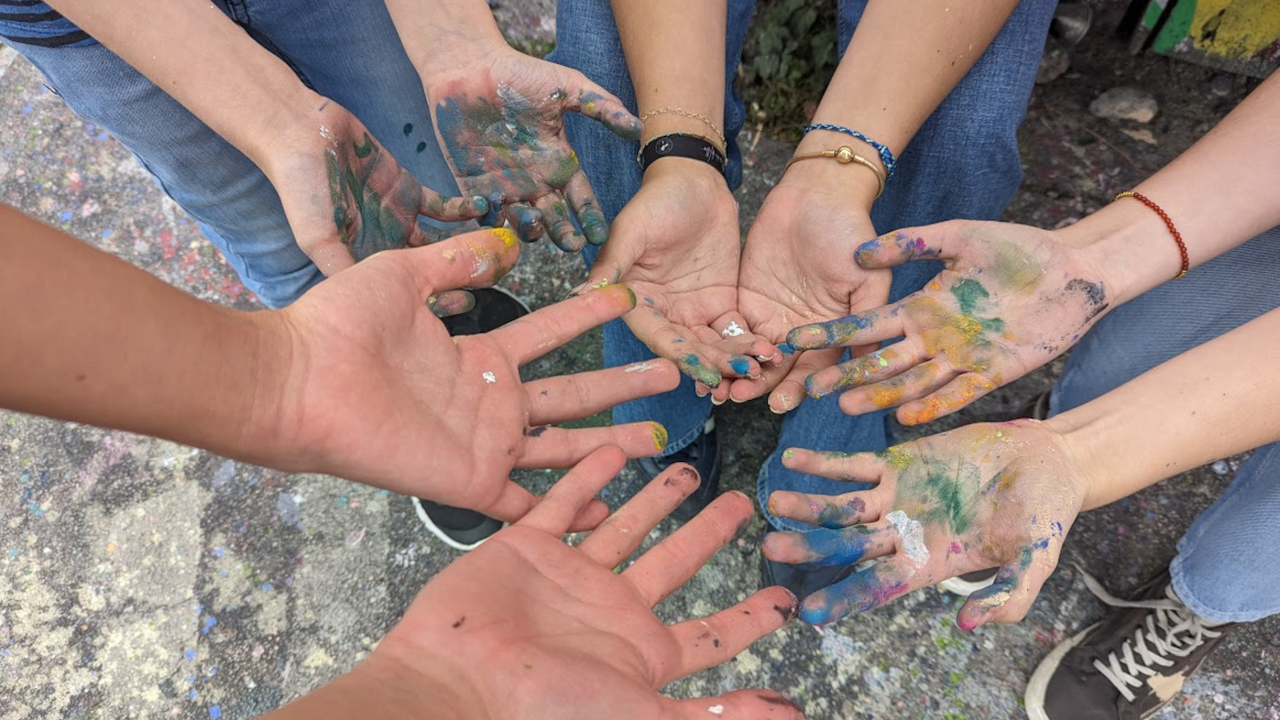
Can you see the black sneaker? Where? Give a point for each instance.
(803, 579)
(1127, 666)
(704, 455)
(460, 528)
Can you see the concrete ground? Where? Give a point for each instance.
(142, 578)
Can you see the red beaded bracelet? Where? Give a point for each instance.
(1177, 236)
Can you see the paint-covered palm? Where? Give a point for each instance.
(982, 496)
(676, 244)
(798, 267)
(347, 198)
(1011, 298)
(528, 627)
(500, 121)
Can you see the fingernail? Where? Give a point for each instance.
(587, 287)
(787, 348)
(716, 401)
(659, 436)
(788, 453)
(507, 237)
(740, 364)
(480, 205)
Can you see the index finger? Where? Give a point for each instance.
(544, 330)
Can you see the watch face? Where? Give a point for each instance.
(664, 146)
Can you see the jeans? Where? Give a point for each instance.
(1226, 569)
(963, 163)
(346, 51)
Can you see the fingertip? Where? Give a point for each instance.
(659, 436)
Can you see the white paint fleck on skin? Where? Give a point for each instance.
(716, 709)
(640, 367)
(489, 377)
(733, 329)
(912, 534)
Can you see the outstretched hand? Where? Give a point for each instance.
(798, 267)
(528, 627)
(982, 496)
(380, 393)
(1011, 298)
(676, 244)
(347, 198)
(500, 121)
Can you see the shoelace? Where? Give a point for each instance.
(1172, 630)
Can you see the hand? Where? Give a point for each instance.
(347, 198)
(528, 627)
(377, 391)
(676, 245)
(499, 120)
(982, 496)
(798, 267)
(1011, 299)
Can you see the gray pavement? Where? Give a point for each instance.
(139, 578)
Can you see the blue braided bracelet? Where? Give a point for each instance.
(886, 155)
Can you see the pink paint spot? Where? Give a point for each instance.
(956, 548)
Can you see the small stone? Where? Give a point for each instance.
(1142, 134)
(1055, 61)
(1220, 468)
(1221, 85)
(1125, 103)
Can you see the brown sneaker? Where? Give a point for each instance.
(1127, 666)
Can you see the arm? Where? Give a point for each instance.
(527, 627)
(904, 58)
(498, 116)
(357, 379)
(1005, 495)
(1030, 294)
(345, 197)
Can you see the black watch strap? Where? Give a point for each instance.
(681, 145)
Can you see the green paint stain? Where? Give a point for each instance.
(365, 147)
(422, 146)
(408, 128)
(968, 293)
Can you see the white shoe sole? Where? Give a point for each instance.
(1039, 682)
(965, 588)
(441, 535)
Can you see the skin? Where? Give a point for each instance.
(528, 627)
(676, 245)
(989, 495)
(345, 199)
(358, 379)
(503, 132)
(1010, 299)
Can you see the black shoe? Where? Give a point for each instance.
(459, 528)
(704, 455)
(1127, 666)
(802, 580)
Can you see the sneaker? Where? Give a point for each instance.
(969, 583)
(1127, 666)
(803, 579)
(704, 455)
(460, 528)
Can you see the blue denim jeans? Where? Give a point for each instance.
(964, 163)
(347, 51)
(1226, 568)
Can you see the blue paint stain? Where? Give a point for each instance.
(787, 349)
(106, 234)
(1056, 528)
(218, 552)
(65, 216)
(266, 586)
(740, 365)
(1041, 544)
(209, 622)
(190, 654)
(215, 712)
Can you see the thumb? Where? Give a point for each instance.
(593, 101)
(614, 261)
(931, 242)
(1009, 597)
(474, 259)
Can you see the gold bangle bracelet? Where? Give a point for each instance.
(843, 155)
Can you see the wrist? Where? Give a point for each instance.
(1082, 439)
(856, 183)
(701, 177)
(271, 433)
(471, 46)
(1128, 244)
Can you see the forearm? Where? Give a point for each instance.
(204, 61)
(676, 54)
(1198, 407)
(91, 339)
(444, 37)
(1219, 194)
(383, 689)
(905, 57)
